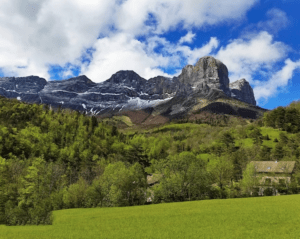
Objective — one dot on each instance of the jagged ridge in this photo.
(126, 90)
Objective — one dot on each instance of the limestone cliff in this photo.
(242, 90)
(207, 73)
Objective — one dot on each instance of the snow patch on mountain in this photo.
(138, 103)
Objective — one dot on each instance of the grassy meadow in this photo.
(260, 217)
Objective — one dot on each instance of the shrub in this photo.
(74, 196)
(57, 200)
(215, 192)
(268, 191)
(255, 192)
(15, 215)
(266, 137)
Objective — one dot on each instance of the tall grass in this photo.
(263, 217)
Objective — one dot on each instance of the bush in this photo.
(74, 196)
(293, 189)
(266, 137)
(15, 215)
(57, 200)
(215, 192)
(226, 192)
(255, 192)
(41, 214)
(94, 195)
(282, 189)
(268, 192)
(235, 190)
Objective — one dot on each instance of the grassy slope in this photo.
(191, 129)
(273, 133)
(262, 217)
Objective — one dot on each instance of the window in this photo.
(267, 181)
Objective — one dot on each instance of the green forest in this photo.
(59, 159)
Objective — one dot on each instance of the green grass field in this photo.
(262, 217)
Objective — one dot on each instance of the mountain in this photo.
(202, 87)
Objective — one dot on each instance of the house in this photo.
(273, 172)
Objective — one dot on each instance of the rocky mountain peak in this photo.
(242, 90)
(81, 79)
(207, 72)
(125, 77)
(29, 84)
(125, 90)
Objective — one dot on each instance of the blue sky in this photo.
(256, 40)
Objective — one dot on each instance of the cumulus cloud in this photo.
(258, 54)
(280, 79)
(122, 52)
(188, 38)
(246, 56)
(164, 15)
(38, 33)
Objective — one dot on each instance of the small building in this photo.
(273, 172)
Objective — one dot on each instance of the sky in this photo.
(53, 39)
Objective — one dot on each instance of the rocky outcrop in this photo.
(210, 73)
(22, 88)
(207, 73)
(242, 90)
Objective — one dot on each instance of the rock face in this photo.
(206, 74)
(210, 73)
(126, 90)
(23, 88)
(241, 90)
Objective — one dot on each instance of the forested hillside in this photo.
(51, 160)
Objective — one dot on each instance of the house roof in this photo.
(274, 166)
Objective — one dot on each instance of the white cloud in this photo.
(278, 20)
(122, 52)
(189, 37)
(169, 13)
(280, 79)
(37, 33)
(246, 57)
(195, 54)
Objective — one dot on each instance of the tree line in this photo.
(51, 160)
